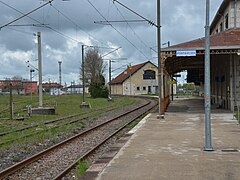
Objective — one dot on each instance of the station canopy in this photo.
(190, 55)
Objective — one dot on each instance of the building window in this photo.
(226, 21)
(138, 88)
(144, 88)
(221, 27)
(149, 74)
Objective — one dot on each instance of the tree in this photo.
(94, 68)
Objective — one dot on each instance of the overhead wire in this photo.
(47, 26)
(70, 20)
(49, 2)
(117, 29)
(131, 27)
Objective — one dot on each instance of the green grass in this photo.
(66, 105)
(81, 168)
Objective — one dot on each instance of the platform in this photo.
(172, 148)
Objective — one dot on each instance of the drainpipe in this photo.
(235, 14)
(234, 80)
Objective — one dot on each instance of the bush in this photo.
(98, 91)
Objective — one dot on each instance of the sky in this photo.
(69, 24)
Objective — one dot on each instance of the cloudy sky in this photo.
(72, 24)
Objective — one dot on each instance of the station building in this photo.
(224, 54)
(140, 79)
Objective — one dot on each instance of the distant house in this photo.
(30, 86)
(19, 86)
(136, 80)
(52, 88)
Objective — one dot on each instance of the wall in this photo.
(235, 81)
(136, 80)
(220, 81)
(117, 89)
(230, 11)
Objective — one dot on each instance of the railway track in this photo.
(56, 123)
(57, 161)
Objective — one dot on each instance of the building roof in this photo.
(52, 85)
(229, 39)
(127, 72)
(219, 13)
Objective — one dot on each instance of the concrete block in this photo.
(44, 110)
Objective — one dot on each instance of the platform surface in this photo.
(172, 148)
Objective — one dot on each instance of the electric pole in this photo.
(208, 138)
(83, 104)
(40, 70)
(83, 73)
(110, 77)
(159, 58)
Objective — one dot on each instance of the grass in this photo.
(81, 168)
(66, 105)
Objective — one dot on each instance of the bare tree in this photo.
(94, 67)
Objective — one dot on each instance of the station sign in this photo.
(186, 53)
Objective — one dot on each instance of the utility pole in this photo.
(84, 104)
(159, 59)
(40, 70)
(11, 102)
(208, 138)
(83, 73)
(110, 78)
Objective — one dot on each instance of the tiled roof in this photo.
(52, 85)
(127, 72)
(229, 39)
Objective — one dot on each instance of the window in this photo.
(226, 21)
(149, 74)
(221, 27)
(144, 88)
(138, 88)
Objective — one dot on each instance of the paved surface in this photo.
(172, 148)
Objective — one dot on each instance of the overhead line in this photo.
(46, 26)
(49, 2)
(116, 29)
(131, 27)
(150, 22)
(64, 15)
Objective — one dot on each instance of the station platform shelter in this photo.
(224, 60)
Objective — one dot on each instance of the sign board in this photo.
(172, 82)
(186, 53)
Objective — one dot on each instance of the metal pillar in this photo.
(83, 74)
(159, 58)
(110, 77)
(31, 71)
(207, 94)
(60, 72)
(40, 70)
(60, 76)
(11, 102)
